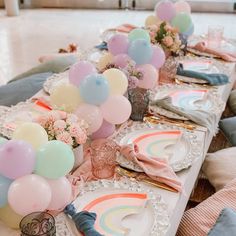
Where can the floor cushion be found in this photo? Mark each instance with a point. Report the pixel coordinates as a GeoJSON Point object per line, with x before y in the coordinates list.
{"type": "Point", "coordinates": [228, 126]}
{"type": "Point", "coordinates": [23, 89]}
{"type": "Point", "coordinates": [220, 167]}
{"type": "Point", "coordinates": [199, 220]}
{"type": "Point", "coordinates": [55, 65]}
{"type": "Point", "coordinates": [225, 224]}
{"type": "Point", "coordinates": [232, 101]}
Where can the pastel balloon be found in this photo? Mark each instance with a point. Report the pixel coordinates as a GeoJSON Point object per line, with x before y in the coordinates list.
{"type": "Point", "coordinates": [149, 76]}
{"type": "Point", "coordinates": [121, 60]}
{"type": "Point", "coordinates": [140, 51]}
{"type": "Point", "coordinates": [94, 89]}
{"type": "Point", "coordinates": [32, 133]}
{"type": "Point", "coordinates": [182, 21]}
{"type": "Point", "coordinates": [30, 193]}
{"type": "Point", "coordinates": [151, 20]}
{"type": "Point", "coordinates": [116, 109]}
{"type": "Point", "coordinates": [158, 57]}
{"type": "Point", "coordinates": [182, 6]}
{"type": "Point", "coordinates": [104, 61]}
{"type": "Point", "coordinates": [190, 31]}
{"type": "Point", "coordinates": [79, 71]}
{"type": "Point", "coordinates": [55, 159]}
{"type": "Point", "coordinates": [138, 34]}
{"type": "Point", "coordinates": [66, 97]}
{"type": "Point", "coordinates": [61, 193]}
{"type": "Point", "coordinates": [104, 131]}
{"type": "Point", "coordinates": [118, 44]}
{"type": "Point", "coordinates": [4, 186]}
{"type": "Point", "coordinates": [17, 158]}
{"type": "Point", "coordinates": [92, 115]}
{"type": "Point", "coordinates": [117, 80]}
{"type": "Point", "coordinates": [2, 140]}
{"type": "Point", "coordinates": [165, 10]}
{"type": "Point", "coordinates": [9, 217]}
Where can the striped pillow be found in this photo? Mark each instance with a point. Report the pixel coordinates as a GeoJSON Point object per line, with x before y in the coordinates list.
{"type": "Point", "coordinates": [199, 220]}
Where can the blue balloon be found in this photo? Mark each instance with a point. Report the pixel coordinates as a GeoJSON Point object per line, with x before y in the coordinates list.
{"type": "Point", "coordinates": [94, 89]}
{"type": "Point", "coordinates": [189, 31]}
{"type": "Point", "coordinates": [140, 51]}
{"type": "Point", "coordinates": [4, 186]}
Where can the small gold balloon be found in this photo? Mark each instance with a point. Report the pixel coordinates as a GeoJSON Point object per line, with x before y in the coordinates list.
{"type": "Point", "coordinates": [9, 217]}
{"type": "Point", "coordinates": [151, 20]}
{"type": "Point", "coordinates": [104, 61]}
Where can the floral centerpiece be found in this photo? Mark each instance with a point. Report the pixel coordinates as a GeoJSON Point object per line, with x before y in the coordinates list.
{"type": "Point", "coordinates": [64, 127]}
{"type": "Point", "coordinates": [167, 37]}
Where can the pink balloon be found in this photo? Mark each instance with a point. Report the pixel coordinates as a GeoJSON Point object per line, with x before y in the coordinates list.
{"type": "Point", "coordinates": [17, 158]}
{"type": "Point", "coordinates": [30, 193]}
{"type": "Point", "coordinates": [92, 115]}
{"type": "Point", "coordinates": [165, 10]}
{"type": "Point", "coordinates": [61, 193]}
{"type": "Point", "coordinates": [118, 44]}
{"type": "Point", "coordinates": [158, 57]}
{"type": "Point", "coordinates": [105, 130]}
{"type": "Point", "coordinates": [121, 60]}
{"type": "Point", "coordinates": [182, 6]}
{"type": "Point", "coordinates": [116, 109]}
{"type": "Point", "coordinates": [79, 71]}
{"type": "Point", "coordinates": [149, 78]}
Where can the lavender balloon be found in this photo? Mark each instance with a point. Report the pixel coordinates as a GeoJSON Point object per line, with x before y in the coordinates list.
{"type": "Point", "coordinates": [118, 44]}
{"type": "Point", "coordinates": [17, 158]}
{"type": "Point", "coordinates": [165, 10]}
{"type": "Point", "coordinates": [158, 57]}
{"type": "Point", "coordinates": [121, 60]}
{"type": "Point", "coordinates": [79, 71]}
{"type": "Point", "coordinates": [104, 131]}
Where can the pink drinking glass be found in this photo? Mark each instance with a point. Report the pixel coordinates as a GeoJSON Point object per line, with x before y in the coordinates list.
{"type": "Point", "coordinates": [103, 158]}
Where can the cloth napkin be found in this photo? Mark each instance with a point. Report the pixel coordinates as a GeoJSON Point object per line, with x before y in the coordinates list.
{"type": "Point", "coordinates": [212, 79]}
{"type": "Point", "coordinates": [227, 56]}
{"type": "Point", "coordinates": [156, 168]}
{"type": "Point", "coordinates": [201, 117]}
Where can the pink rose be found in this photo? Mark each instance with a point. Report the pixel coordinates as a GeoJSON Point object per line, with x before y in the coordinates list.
{"type": "Point", "coordinates": [168, 41]}
{"type": "Point", "coordinates": [59, 126]}
{"type": "Point", "coordinates": [65, 137]}
{"type": "Point", "coordinates": [82, 138]}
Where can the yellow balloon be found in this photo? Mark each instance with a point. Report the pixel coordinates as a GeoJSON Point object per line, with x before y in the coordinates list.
{"type": "Point", "coordinates": [104, 60]}
{"type": "Point", "coordinates": [117, 80]}
{"type": "Point", "coordinates": [151, 20]}
{"type": "Point", "coordinates": [32, 133]}
{"type": "Point", "coordinates": [9, 217]}
{"type": "Point", "coordinates": [66, 97]}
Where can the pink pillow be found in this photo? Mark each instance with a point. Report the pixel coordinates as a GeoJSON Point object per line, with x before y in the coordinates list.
{"type": "Point", "coordinates": [199, 220]}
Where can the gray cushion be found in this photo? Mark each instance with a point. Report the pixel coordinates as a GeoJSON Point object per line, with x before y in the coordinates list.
{"type": "Point", "coordinates": [228, 126]}
{"type": "Point", "coordinates": [23, 89]}
{"type": "Point", "coordinates": [56, 65]}
{"type": "Point", "coordinates": [232, 101]}
{"type": "Point", "coordinates": [225, 224]}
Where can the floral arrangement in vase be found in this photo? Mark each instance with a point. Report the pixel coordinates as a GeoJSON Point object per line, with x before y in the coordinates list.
{"type": "Point", "coordinates": [65, 127]}
{"type": "Point", "coordinates": [167, 37]}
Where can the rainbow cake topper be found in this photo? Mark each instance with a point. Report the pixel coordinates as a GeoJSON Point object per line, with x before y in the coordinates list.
{"type": "Point", "coordinates": [111, 209]}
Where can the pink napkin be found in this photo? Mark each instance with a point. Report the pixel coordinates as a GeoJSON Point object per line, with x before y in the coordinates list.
{"type": "Point", "coordinates": [156, 168]}
{"type": "Point", "coordinates": [202, 47]}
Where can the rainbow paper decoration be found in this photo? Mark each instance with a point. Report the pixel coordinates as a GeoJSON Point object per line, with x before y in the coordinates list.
{"type": "Point", "coordinates": [111, 209]}
{"type": "Point", "coordinates": [187, 98]}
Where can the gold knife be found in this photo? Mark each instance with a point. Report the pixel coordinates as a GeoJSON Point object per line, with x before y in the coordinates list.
{"type": "Point", "coordinates": [143, 178]}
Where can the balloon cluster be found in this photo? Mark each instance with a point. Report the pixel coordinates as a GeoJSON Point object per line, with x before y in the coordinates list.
{"type": "Point", "coordinates": [178, 14]}
{"type": "Point", "coordinates": [136, 47]}
{"type": "Point", "coordinates": [94, 97]}
{"type": "Point", "coordinates": [32, 173]}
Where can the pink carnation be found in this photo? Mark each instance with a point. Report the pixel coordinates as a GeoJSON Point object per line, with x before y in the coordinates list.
{"type": "Point", "coordinates": [71, 118]}
{"type": "Point", "coordinates": [168, 41]}
{"type": "Point", "coordinates": [82, 138]}
{"type": "Point", "coordinates": [59, 126]}
{"type": "Point", "coordinates": [65, 137]}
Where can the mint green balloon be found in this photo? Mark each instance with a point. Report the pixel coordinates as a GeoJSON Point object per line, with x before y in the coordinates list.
{"type": "Point", "coordinates": [54, 159]}
{"type": "Point", "coordinates": [138, 34]}
{"type": "Point", "coordinates": [182, 21]}
{"type": "Point", "coordinates": [2, 140]}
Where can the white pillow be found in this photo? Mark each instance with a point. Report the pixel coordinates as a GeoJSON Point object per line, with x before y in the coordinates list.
{"type": "Point", "coordinates": [220, 167]}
